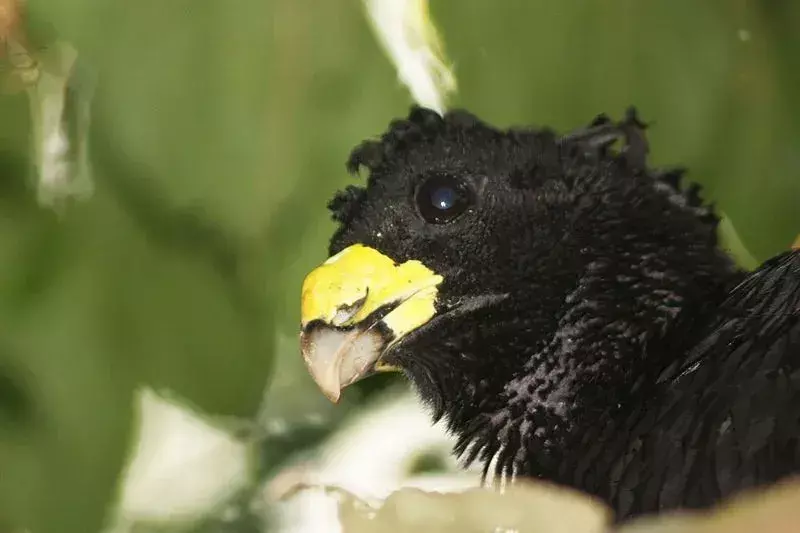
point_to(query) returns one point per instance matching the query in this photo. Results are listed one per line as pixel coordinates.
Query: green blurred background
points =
(219, 130)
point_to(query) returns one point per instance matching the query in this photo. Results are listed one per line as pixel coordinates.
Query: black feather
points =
(629, 356)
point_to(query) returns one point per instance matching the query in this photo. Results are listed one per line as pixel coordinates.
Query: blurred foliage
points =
(219, 131)
(521, 508)
(542, 508)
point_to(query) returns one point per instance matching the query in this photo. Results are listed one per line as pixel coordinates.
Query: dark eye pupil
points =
(442, 198)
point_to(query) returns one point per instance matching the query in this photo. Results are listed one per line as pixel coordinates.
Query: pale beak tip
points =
(334, 395)
(324, 372)
(336, 359)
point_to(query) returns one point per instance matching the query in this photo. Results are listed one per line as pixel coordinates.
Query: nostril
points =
(345, 313)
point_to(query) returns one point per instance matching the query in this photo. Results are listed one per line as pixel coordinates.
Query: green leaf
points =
(65, 406)
(720, 94)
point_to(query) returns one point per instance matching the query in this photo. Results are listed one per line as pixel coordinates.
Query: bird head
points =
(513, 275)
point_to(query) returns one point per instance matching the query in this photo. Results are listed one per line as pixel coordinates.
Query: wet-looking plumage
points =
(570, 315)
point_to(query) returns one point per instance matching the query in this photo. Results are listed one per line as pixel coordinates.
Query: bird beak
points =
(354, 307)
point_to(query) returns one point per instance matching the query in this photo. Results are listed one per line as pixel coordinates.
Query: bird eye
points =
(440, 199)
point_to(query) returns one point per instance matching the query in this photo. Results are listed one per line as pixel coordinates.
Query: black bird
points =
(565, 308)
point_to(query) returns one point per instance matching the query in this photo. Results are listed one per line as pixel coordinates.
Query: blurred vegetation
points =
(542, 508)
(219, 130)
